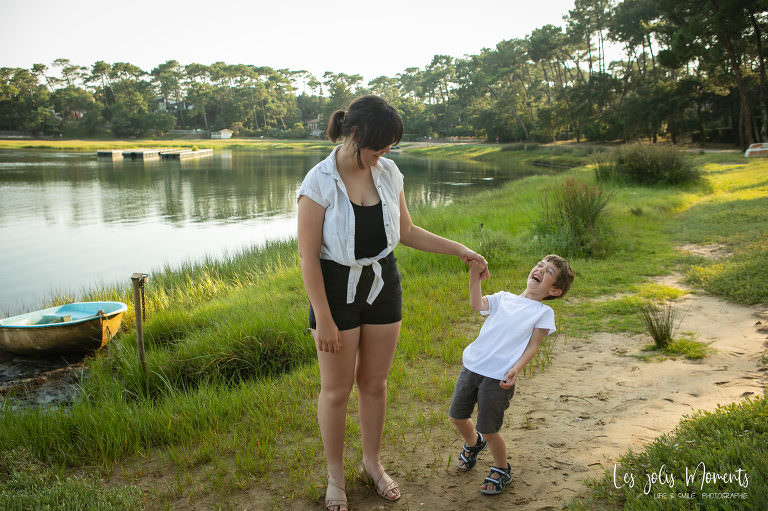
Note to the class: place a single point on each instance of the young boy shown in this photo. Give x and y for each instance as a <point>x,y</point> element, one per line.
<point>508,340</point>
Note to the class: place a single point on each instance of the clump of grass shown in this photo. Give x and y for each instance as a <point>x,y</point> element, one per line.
<point>605,166</point>
<point>646,165</point>
<point>659,322</point>
<point>248,335</point>
<point>571,221</point>
<point>690,349</point>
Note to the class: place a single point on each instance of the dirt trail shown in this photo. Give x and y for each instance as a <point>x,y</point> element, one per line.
<point>574,419</point>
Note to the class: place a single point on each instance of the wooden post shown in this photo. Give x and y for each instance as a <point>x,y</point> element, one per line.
<point>138,282</point>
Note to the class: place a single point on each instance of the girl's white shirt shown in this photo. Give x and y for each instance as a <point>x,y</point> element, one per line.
<point>324,186</point>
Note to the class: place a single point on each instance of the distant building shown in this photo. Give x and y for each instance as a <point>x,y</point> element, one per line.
<point>165,105</point>
<point>315,126</point>
<point>225,133</point>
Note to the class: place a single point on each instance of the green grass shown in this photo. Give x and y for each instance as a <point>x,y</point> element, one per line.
<point>29,485</point>
<point>220,411</point>
<point>689,349</point>
<point>732,438</point>
<point>734,216</point>
<point>509,154</point>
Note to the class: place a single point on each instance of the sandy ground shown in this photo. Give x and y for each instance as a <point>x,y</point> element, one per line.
<point>594,402</point>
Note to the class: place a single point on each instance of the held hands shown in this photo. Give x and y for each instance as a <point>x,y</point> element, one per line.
<point>476,269</point>
<point>477,264</point>
<point>510,379</point>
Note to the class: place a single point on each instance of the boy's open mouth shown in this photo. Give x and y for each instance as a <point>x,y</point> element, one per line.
<point>536,278</point>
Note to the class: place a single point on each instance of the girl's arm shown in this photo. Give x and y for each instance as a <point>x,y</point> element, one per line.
<point>420,239</point>
<point>311,216</point>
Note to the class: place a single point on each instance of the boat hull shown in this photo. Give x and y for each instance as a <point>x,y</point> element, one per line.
<point>81,336</point>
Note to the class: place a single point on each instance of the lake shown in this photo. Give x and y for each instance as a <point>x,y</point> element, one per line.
<point>70,221</point>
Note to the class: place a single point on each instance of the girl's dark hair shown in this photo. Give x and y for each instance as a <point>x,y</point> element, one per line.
<point>372,122</point>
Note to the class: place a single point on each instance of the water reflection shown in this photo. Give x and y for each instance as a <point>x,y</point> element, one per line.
<point>70,220</point>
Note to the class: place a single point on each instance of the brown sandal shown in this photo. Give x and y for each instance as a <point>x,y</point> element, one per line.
<point>384,485</point>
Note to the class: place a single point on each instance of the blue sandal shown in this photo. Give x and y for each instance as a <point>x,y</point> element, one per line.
<point>504,479</point>
<point>468,455</point>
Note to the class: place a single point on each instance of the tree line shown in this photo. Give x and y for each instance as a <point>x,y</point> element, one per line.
<point>691,70</point>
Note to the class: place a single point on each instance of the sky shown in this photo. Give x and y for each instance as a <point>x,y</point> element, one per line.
<point>346,36</point>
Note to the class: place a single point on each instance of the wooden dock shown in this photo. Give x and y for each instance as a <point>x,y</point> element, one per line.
<point>153,154</point>
<point>143,154</point>
<point>111,154</point>
<point>185,154</point>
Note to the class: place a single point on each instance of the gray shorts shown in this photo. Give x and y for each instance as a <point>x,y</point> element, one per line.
<point>492,401</point>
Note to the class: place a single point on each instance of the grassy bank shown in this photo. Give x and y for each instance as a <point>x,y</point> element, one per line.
<point>228,403</point>
<point>93,145</point>
<point>563,156</point>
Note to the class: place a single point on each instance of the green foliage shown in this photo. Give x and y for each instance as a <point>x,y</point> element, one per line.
<point>571,223</point>
<point>645,164</point>
<point>687,69</point>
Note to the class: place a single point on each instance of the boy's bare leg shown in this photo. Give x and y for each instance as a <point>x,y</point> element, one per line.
<point>499,451</point>
<point>467,429</point>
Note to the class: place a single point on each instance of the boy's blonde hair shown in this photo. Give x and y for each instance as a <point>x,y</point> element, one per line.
<point>564,277</point>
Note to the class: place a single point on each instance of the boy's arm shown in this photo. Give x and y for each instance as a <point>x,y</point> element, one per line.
<point>476,299</point>
<point>530,350</point>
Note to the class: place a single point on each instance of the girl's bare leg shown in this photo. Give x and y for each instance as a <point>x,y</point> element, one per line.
<point>376,352</point>
<point>337,373</point>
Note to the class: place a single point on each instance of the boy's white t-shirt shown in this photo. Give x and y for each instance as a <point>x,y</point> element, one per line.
<point>505,333</point>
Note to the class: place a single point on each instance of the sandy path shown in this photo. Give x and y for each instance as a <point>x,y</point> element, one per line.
<point>595,401</point>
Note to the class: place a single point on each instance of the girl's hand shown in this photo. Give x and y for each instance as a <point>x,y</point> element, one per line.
<point>327,337</point>
<point>470,255</point>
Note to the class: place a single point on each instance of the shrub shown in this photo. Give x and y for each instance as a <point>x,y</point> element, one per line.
<point>659,321</point>
<point>648,165</point>
<point>571,221</point>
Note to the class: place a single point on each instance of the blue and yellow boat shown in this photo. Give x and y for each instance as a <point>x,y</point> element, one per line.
<point>78,327</point>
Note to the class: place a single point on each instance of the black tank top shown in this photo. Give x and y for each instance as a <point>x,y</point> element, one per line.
<point>370,236</point>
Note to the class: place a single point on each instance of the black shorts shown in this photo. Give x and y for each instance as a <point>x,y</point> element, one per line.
<point>386,308</point>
